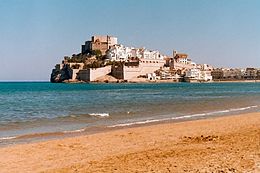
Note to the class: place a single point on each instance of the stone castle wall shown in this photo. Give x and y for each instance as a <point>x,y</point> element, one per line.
<point>90,75</point>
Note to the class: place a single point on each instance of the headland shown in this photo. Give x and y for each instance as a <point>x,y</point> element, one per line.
<point>103,59</point>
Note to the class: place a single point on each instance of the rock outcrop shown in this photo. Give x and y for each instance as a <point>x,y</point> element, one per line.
<point>60,75</point>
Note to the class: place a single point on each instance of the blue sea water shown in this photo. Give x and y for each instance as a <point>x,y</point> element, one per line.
<point>43,107</point>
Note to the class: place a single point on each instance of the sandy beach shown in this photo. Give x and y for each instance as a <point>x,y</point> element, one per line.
<point>225,144</point>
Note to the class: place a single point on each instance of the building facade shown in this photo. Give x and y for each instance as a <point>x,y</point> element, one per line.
<point>91,74</point>
<point>131,71</point>
<point>181,61</point>
<point>250,73</point>
<point>197,75</point>
<point>124,53</point>
<point>102,43</point>
<point>119,53</point>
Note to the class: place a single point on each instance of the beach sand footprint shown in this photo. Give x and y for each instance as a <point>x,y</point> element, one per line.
<point>201,138</point>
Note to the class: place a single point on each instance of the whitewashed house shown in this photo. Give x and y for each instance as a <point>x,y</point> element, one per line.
<point>119,53</point>
<point>124,53</point>
<point>197,75</point>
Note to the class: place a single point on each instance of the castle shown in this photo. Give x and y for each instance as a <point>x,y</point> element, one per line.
<point>102,56</point>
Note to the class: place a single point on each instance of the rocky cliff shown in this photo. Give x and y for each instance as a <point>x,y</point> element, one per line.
<point>60,75</point>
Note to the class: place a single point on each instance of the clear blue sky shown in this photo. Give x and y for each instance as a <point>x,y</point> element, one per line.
<point>36,34</point>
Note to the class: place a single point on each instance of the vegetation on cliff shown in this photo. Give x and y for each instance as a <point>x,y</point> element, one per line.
<point>61,75</point>
<point>93,59</point>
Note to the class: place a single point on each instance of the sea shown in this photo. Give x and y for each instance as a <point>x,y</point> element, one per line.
<point>34,111</point>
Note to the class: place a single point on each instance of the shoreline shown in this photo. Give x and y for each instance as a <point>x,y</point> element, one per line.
<point>28,138</point>
<point>161,81</point>
<point>97,152</point>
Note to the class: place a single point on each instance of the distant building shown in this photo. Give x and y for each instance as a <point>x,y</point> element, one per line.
<point>181,58</point>
<point>217,73</point>
<point>119,53</point>
<point>204,67</point>
<point>233,74</point>
<point>153,76</point>
<point>149,54</point>
<point>135,69</point>
<point>251,73</point>
<point>197,75</point>
<point>124,53</point>
<point>230,74</point>
<point>181,61</point>
<point>166,73</point>
<point>102,43</point>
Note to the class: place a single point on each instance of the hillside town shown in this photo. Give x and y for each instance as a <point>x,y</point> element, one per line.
<point>103,59</point>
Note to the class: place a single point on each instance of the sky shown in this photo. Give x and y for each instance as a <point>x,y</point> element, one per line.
<point>36,34</point>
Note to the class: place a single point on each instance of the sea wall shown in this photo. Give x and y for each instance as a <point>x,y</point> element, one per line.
<point>90,75</point>
<point>74,74</point>
<point>145,67</point>
<point>117,72</point>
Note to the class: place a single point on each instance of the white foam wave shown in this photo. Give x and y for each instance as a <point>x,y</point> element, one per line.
<point>218,112</point>
<point>188,116</point>
<point>240,109</point>
<point>74,131</point>
<point>26,135</point>
<point>182,117</point>
<point>99,114</point>
<point>232,110</point>
<point>140,122</point>
<point>8,137</point>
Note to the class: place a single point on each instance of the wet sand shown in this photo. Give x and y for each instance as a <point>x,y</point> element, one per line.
<point>225,144</point>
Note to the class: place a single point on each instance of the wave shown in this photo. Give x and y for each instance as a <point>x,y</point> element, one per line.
<point>182,117</point>
<point>8,138</point>
<point>74,131</point>
<point>72,117</point>
<point>245,108</point>
<point>37,135</point>
<point>55,133</point>
<point>48,134</point>
<point>99,114</point>
<point>232,110</point>
<point>75,116</point>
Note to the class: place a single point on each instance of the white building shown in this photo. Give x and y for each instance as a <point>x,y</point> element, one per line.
<point>181,61</point>
<point>153,76</point>
<point>196,75</point>
<point>206,76</point>
<point>123,53</point>
<point>149,54</point>
<point>136,52</point>
<point>204,67</point>
<point>119,53</point>
<point>193,73</point>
